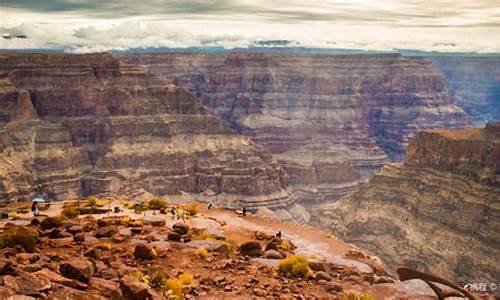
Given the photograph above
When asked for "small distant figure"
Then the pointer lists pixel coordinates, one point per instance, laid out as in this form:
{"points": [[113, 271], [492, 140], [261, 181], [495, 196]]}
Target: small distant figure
{"points": [[34, 209], [244, 210], [210, 204], [172, 211], [278, 234]]}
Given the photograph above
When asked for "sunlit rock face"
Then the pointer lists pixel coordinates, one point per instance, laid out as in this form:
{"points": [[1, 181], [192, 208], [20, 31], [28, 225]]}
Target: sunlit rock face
{"points": [[72, 125], [331, 121], [438, 211], [475, 82]]}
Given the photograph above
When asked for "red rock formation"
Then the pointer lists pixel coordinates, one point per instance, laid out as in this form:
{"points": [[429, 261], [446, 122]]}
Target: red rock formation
{"points": [[319, 115], [438, 212], [73, 125]]}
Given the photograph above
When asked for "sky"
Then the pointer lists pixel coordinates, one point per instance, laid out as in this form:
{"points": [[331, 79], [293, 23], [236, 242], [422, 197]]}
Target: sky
{"points": [[384, 25]]}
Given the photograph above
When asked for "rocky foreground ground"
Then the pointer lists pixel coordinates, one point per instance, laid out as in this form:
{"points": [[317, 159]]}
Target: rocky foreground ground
{"points": [[214, 254]]}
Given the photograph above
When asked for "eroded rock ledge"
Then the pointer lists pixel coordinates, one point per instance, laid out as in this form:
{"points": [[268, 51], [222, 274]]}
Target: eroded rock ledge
{"points": [[439, 211], [331, 121], [72, 125]]}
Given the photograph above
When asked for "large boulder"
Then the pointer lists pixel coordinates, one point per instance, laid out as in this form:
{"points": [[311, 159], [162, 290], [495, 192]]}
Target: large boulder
{"points": [[143, 251], [211, 246], [133, 289], [252, 249], [273, 254], [77, 268], [174, 236], [56, 278], [105, 232], [154, 220], [107, 288], [27, 284], [181, 228]]}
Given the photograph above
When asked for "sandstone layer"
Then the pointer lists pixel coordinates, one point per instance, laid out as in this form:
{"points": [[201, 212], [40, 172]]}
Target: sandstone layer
{"points": [[439, 211], [329, 120], [475, 82], [73, 125]]}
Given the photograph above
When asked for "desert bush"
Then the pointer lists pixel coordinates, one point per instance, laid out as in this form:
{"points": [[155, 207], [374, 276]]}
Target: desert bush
{"points": [[156, 280], [295, 265], [92, 201], [174, 287], [186, 278], [202, 252], [19, 236], [51, 222], [202, 235], [70, 212], [192, 209], [157, 204], [352, 295], [232, 246]]}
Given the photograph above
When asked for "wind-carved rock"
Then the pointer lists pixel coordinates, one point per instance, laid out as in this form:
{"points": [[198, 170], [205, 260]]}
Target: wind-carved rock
{"points": [[330, 121], [72, 125], [438, 212]]}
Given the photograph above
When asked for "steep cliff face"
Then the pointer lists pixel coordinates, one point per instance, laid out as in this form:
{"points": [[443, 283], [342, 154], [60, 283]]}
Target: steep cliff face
{"points": [[329, 120], [439, 211], [476, 84], [73, 125]]}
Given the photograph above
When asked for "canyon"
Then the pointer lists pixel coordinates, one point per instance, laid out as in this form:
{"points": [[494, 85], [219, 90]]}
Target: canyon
{"points": [[77, 125], [475, 82], [330, 121], [438, 211]]}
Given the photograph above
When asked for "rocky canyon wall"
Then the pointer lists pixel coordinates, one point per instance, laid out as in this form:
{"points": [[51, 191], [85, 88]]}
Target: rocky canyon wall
{"points": [[475, 82], [329, 120], [439, 211], [72, 125]]}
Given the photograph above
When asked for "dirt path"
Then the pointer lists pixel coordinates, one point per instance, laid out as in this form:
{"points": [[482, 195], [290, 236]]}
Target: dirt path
{"points": [[308, 240]]}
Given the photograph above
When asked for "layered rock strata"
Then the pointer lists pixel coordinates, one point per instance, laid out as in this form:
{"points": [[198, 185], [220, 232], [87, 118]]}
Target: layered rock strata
{"points": [[439, 211], [73, 125], [329, 120], [475, 82]]}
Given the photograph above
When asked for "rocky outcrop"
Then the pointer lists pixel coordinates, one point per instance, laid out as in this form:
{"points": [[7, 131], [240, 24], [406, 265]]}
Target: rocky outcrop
{"points": [[72, 125], [439, 211], [475, 81], [329, 120]]}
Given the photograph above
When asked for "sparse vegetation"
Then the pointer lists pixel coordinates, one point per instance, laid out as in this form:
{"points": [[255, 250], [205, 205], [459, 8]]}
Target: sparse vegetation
{"points": [[352, 295], [232, 246], [192, 209], [19, 236], [202, 252], [295, 265], [156, 280], [174, 287], [157, 204], [202, 235], [70, 212], [186, 278]]}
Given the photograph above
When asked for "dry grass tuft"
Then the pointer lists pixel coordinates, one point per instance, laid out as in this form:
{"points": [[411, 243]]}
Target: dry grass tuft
{"points": [[295, 265]]}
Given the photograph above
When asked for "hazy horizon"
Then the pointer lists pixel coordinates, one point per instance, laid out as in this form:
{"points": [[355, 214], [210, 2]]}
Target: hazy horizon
{"points": [[89, 26]]}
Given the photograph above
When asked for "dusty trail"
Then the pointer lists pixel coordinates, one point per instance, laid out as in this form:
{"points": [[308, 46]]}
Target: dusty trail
{"points": [[308, 240]]}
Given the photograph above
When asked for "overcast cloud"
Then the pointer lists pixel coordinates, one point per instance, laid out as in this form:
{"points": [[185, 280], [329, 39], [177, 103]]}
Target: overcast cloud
{"points": [[97, 25]]}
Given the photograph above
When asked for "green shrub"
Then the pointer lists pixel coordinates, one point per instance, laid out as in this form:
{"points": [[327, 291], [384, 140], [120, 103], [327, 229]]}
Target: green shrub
{"points": [[19, 236], [157, 204], [70, 212], [295, 265], [352, 295]]}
